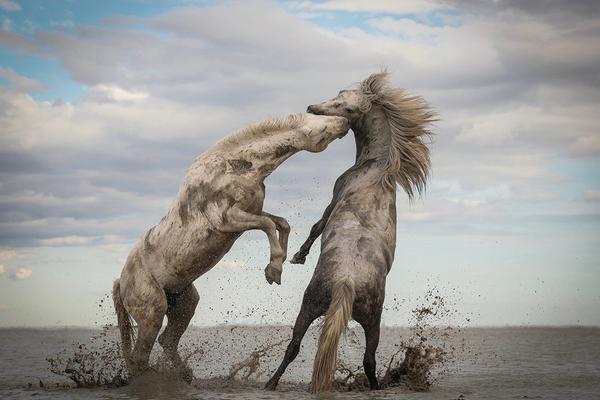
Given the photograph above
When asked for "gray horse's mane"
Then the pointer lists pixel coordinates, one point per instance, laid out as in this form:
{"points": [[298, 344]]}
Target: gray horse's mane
{"points": [[262, 129], [408, 163]]}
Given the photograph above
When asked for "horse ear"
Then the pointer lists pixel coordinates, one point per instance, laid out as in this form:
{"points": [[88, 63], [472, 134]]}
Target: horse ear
{"points": [[374, 83]]}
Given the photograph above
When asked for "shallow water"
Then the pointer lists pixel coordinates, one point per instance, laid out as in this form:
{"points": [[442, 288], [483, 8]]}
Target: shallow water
{"points": [[498, 363]]}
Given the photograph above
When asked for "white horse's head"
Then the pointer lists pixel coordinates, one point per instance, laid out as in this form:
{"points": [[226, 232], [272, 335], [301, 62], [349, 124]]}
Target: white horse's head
{"points": [[318, 131], [350, 104]]}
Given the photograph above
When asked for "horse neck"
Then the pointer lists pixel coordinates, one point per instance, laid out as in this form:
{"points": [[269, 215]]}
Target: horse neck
{"points": [[266, 154], [372, 134]]}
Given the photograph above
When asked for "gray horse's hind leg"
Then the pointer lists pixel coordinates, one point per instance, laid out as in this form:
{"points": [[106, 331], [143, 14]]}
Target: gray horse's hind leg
{"points": [[308, 313], [146, 302], [371, 328], [180, 311]]}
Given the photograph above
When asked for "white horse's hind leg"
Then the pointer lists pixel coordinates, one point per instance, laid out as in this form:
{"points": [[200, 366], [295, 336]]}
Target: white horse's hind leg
{"points": [[146, 302], [180, 311]]}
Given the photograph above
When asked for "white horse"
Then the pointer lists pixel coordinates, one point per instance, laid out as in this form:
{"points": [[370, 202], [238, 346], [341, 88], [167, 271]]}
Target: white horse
{"points": [[221, 197]]}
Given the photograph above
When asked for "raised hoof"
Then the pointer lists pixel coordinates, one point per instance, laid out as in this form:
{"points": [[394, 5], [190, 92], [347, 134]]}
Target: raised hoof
{"points": [[298, 258], [273, 275]]}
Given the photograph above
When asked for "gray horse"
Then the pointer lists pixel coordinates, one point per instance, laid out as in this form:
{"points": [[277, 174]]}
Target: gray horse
{"points": [[221, 197], [359, 226]]}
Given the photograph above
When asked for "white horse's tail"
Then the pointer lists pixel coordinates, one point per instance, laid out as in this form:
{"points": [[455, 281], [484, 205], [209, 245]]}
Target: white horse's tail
{"points": [[124, 320], [336, 320]]}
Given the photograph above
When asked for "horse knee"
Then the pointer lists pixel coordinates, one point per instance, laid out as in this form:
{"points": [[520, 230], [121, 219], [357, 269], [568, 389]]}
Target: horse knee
{"points": [[284, 225]]}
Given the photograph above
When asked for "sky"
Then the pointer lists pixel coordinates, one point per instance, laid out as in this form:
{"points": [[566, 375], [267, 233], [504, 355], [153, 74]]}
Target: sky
{"points": [[103, 106]]}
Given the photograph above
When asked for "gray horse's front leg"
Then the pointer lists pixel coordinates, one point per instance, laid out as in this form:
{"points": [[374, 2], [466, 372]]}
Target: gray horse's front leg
{"points": [[240, 221], [315, 232]]}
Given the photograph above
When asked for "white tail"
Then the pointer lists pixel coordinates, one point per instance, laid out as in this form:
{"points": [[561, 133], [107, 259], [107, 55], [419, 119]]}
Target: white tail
{"points": [[124, 320], [336, 320]]}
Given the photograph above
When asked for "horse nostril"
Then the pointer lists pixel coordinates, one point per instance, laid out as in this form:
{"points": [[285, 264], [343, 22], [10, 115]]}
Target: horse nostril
{"points": [[311, 109]]}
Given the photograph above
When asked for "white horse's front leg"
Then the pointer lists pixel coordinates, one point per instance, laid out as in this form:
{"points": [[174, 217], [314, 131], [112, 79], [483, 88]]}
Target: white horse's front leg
{"points": [[237, 220], [283, 227]]}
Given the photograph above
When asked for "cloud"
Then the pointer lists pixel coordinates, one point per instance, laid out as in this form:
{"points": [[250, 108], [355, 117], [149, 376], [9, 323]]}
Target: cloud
{"points": [[7, 254], [591, 195], [7, 24], [18, 82], [373, 6], [66, 241], [16, 273], [516, 91], [586, 145], [8, 5], [19, 273]]}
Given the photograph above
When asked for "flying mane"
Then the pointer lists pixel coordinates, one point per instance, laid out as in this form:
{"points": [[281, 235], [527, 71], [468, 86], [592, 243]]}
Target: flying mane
{"points": [[408, 163], [261, 129]]}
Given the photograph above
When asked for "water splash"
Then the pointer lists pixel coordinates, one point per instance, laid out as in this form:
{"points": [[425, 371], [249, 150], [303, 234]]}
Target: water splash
{"points": [[427, 348], [250, 365], [94, 365]]}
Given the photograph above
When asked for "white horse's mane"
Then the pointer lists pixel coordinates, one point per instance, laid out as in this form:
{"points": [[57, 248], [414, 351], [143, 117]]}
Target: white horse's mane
{"points": [[261, 129], [408, 163]]}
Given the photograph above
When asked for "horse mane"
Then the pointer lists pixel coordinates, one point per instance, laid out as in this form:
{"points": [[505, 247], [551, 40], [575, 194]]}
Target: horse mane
{"points": [[408, 163], [262, 129]]}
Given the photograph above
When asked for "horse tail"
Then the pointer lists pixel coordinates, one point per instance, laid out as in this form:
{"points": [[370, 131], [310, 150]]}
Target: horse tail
{"points": [[124, 320], [336, 320]]}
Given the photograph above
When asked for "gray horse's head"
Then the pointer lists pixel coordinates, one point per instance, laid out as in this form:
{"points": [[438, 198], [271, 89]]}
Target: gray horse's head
{"points": [[409, 119], [350, 104]]}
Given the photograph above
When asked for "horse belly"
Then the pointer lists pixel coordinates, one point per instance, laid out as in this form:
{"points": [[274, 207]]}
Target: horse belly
{"points": [[194, 255], [356, 249]]}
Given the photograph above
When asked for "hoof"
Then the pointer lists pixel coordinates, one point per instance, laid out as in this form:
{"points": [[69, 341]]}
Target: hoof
{"points": [[187, 375], [270, 386], [298, 258], [273, 275]]}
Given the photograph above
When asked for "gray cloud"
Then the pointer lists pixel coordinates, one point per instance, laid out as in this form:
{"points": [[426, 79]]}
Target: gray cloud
{"points": [[516, 90]]}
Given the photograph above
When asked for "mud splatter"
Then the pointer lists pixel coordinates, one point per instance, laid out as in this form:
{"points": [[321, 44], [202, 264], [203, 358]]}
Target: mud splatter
{"points": [[421, 358], [98, 364], [250, 365]]}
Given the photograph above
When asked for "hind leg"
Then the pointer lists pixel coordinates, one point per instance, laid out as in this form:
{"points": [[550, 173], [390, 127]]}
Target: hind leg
{"points": [[308, 313], [146, 302], [371, 328], [180, 311]]}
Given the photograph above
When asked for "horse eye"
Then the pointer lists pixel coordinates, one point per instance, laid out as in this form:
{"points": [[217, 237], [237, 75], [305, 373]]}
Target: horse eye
{"points": [[349, 110]]}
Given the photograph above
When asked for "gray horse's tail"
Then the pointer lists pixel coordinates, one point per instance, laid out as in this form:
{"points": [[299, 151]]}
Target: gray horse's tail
{"points": [[336, 320], [124, 320]]}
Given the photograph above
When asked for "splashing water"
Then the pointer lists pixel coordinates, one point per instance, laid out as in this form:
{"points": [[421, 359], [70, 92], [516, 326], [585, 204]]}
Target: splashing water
{"points": [[251, 364], [97, 364], [425, 350]]}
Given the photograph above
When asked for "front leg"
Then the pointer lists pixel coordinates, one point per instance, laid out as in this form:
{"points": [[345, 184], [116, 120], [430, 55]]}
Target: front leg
{"points": [[283, 227], [315, 232], [237, 221]]}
